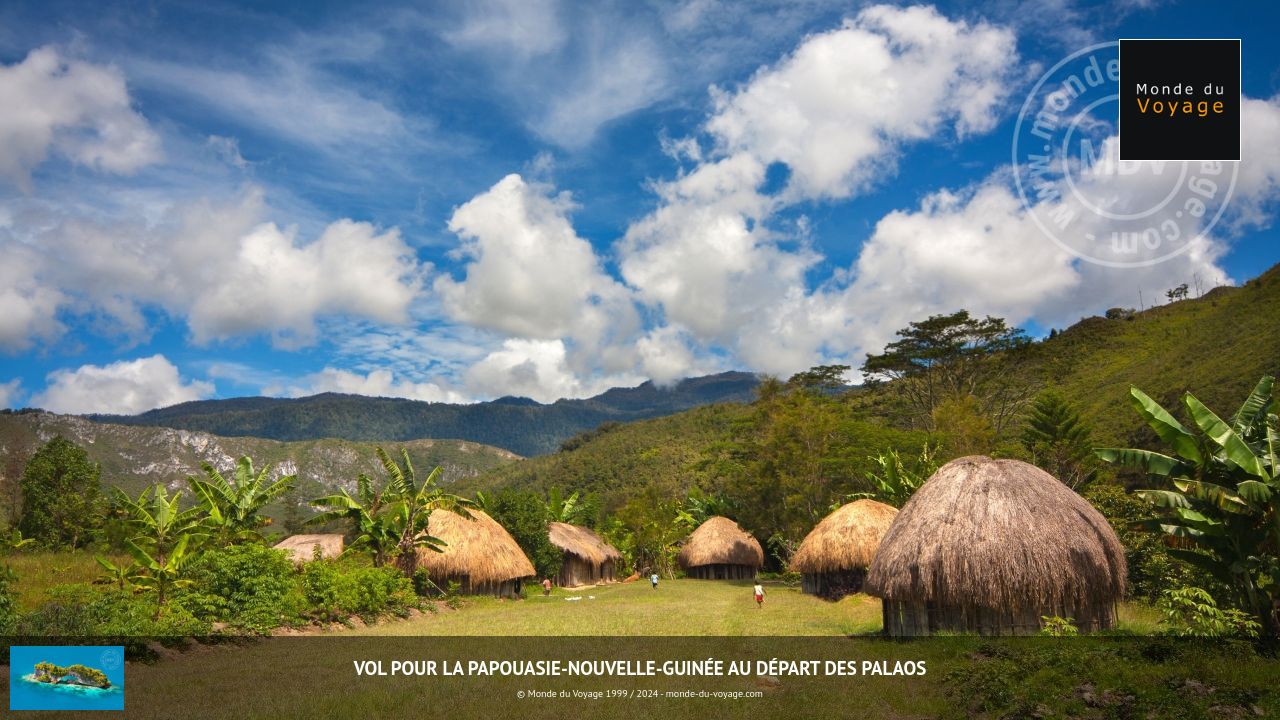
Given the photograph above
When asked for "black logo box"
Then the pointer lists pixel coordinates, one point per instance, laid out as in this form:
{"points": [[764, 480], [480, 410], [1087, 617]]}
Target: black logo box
{"points": [[1186, 68]]}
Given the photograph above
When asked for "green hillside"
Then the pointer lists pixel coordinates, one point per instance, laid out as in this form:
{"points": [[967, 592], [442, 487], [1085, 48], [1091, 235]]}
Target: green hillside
{"points": [[133, 457], [1216, 346]]}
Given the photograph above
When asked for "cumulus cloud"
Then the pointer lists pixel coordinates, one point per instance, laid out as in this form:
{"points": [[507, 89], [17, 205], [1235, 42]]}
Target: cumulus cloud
{"points": [[376, 383], [77, 109], [844, 101], [222, 267], [120, 388], [834, 112], [536, 369], [10, 392]]}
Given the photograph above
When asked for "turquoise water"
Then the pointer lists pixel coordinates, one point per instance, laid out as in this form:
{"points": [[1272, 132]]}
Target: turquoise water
{"points": [[25, 693]]}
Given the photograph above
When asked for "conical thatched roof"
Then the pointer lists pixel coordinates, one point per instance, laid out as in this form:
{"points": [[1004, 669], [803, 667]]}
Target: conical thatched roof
{"points": [[479, 548], [301, 548], [998, 534], [582, 542], [845, 539], [719, 541]]}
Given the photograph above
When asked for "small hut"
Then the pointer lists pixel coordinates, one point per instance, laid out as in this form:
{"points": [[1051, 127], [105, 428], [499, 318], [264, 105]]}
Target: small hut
{"points": [[835, 555], [480, 555], [587, 558], [302, 548], [991, 546], [720, 550]]}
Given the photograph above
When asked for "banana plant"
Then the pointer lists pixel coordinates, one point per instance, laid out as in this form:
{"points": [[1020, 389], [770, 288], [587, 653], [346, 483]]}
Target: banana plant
{"points": [[1223, 513], [234, 507], [163, 545], [366, 512], [162, 572], [119, 575], [414, 504]]}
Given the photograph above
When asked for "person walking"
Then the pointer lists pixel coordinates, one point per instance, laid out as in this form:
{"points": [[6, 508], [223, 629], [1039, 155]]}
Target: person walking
{"points": [[546, 587], [653, 579], [759, 591]]}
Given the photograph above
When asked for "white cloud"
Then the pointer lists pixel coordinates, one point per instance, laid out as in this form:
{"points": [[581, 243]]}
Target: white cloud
{"points": [[28, 310], [220, 266], [10, 392], [535, 369], [120, 388], [78, 109], [525, 28], [376, 383], [836, 110], [529, 274]]}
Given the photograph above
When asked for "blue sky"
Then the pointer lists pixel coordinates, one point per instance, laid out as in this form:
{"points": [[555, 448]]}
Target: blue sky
{"points": [[457, 202]]}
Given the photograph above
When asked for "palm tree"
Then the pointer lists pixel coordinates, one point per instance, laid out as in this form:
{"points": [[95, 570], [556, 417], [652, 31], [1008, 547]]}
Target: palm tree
{"points": [[162, 546], [234, 507]]}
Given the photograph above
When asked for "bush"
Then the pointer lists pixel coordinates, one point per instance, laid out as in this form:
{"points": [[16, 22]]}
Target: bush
{"points": [[7, 609], [335, 589], [80, 610], [250, 587], [1192, 612], [1152, 571]]}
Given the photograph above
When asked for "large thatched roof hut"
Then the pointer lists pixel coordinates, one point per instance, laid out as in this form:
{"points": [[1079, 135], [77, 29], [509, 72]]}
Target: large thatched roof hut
{"points": [[302, 548], [587, 558], [990, 546], [835, 555], [481, 555], [720, 550]]}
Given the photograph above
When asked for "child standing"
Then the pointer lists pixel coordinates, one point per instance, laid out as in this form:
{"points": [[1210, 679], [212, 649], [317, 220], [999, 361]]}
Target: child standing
{"points": [[654, 580], [759, 590]]}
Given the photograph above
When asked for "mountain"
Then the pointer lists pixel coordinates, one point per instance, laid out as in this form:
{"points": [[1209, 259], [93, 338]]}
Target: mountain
{"points": [[133, 457], [519, 425]]}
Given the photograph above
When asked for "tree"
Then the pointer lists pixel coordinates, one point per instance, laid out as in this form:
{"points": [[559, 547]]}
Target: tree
{"points": [[1223, 513], [162, 543], [234, 507], [964, 428], [524, 514], [820, 378], [1059, 441], [61, 496], [949, 356], [1177, 293]]}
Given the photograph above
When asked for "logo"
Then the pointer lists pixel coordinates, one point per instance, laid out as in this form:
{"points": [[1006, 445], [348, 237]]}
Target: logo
{"points": [[66, 677], [1069, 176]]}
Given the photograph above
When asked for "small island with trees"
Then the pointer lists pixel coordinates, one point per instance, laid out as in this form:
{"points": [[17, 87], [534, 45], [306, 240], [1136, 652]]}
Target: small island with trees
{"points": [[77, 675]]}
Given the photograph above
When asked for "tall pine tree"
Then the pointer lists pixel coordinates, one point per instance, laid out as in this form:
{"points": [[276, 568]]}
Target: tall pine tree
{"points": [[1059, 440]]}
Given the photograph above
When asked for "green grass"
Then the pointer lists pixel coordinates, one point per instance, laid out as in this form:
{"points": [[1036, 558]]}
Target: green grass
{"points": [[39, 571]]}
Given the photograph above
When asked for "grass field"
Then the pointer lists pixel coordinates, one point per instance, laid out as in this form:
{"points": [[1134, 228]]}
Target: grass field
{"points": [[40, 571], [677, 607]]}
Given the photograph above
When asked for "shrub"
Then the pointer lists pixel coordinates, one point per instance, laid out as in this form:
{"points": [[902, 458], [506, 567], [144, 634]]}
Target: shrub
{"points": [[250, 587], [1192, 612], [7, 610], [1058, 627], [336, 589], [80, 610], [1152, 572]]}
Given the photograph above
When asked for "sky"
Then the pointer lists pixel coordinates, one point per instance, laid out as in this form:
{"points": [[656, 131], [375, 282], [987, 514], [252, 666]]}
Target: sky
{"points": [[456, 202]]}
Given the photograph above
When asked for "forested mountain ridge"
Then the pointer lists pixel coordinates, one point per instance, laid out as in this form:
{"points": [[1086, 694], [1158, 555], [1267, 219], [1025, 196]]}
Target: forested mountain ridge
{"points": [[520, 425]]}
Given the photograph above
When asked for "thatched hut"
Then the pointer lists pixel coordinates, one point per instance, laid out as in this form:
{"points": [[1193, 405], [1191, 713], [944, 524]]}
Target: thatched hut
{"points": [[302, 548], [720, 550], [991, 546], [587, 558], [835, 555], [481, 555]]}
